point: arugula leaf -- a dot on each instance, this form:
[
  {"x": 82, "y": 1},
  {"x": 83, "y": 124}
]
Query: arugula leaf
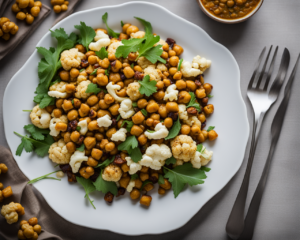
[
  {"x": 119, "y": 117},
  {"x": 179, "y": 65},
  {"x": 44, "y": 177},
  {"x": 174, "y": 130},
  {"x": 144, "y": 184},
  {"x": 210, "y": 128},
  {"x": 105, "y": 163},
  {"x": 87, "y": 34},
  {"x": 171, "y": 160},
  {"x": 88, "y": 188},
  {"x": 136, "y": 154},
  {"x": 93, "y": 88},
  {"x": 147, "y": 87},
  {"x": 36, "y": 133},
  {"x": 134, "y": 176},
  {"x": 122, "y": 24},
  {"x": 129, "y": 144},
  {"x": 161, "y": 179},
  {"x": 81, "y": 148},
  {"x": 144, "y": 112},
  {"x": 182, "y": 175},
  {"x": 209, "y": 96},
  {"x": 109, "y": 30},
  {"x": 102, "y": 53},
  {"x": 193, "y": 102},
  {"x": 129, "y": 125},
  {"x": 134, "y": 104},
  {"x": 147, "y": 25},
  {"x": 104, "y": 186}
]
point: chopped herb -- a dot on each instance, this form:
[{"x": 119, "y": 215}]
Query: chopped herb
[
  {"x": 128, "y": 126},
  {"x": 150, "y": 131},
  {"x": 102, "y": 53},
  {"x": 136, "y": 154},
  {"x": 104, "y": 186},
  {"x": 105, "y": 163},
  {"x": 147, "y": 87},
  {"x": 201, "y": 149},
  {"x": 56, "y": 81},
  {"x": 193, "y": 102},
  {"x": 147, "y": 25},
  {"x": 88, "y": 188},
  {"x": 129, "y": 144},
  {"x": 72, "y": 101},
  {"x": 134, "y": 104},
  {"x": 94, "y": 72},
  {"x": 161, "y": 179},
  {"x": 144, "y": 184},
  {"x": 78, "y": 128},
  {"x": 109, "y": 30},
  {"x": 27, "y": 110},
  {"x": 81, "y": 70},
  {"x": 119, "y": 117},
  {"x": 210, "y": 128},
  {"x": 107, "y": 71},
  {"x": 179, "y": 65},
  {"x": 122, "y": 24},
  {"x": 209, "y": 96},
  {"x": 171, "y": 160},
  {"x": 87, "y": 34},
  {"x": 132, "y": 65},
  {"x": 93, "y": 88},
  {"x": 43, "y": 177},
  {"x": 144, "y": 112},
  {"x": 174, "y": 130},
  {"x": 81, "y": 148},
  {"x": 36, "y": 133},
  {"x": 134, "y": 176}
]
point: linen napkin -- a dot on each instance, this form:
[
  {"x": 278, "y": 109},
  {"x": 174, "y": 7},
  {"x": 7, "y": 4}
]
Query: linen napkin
[
  {"x": 25, "y": 30},
  {"x": 62, "y": 15}
]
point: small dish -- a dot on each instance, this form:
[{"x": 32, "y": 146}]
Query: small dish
[{"x": 229, "y": 21}]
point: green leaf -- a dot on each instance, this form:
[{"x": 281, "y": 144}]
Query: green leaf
[
  {"x": 161, "y": 179},
  {"x": 174, "y": 130},
  {"x": 102, "y": 53},
  {"x": 122, "y": 24},
  {"x": 104, "y": 186},
  {"x": 153, "y": 54},
  {"x": 109, "y": 30},
  {"x": 182, "y": 175},
  {"x": 25, "y": 143},
  {"x": 94, "y": 72},
  {"x": 87, "y": 34},
  {"x": 144, "y": 184},
  {"x": 210, "y": 128},
  {"x": 209, "y": 96},
  {"x": 132, "y": 65},
  {"x": 88, "y": 188},
  {"x": 193, "y": 102},
  {"x": 129, "y": 144},
  {"x": 81, "y": 148},
  {"x": 147, "y": 87},
  {"x": 179, "y": 65},
  {"x": 134, "y": 176},
  {"x": 36, "y": 133},
  {"x": 129, "y": 125},
  {"x": 136, "y": 154},
  {"x": 150, "y": 131},
  {"x": 119, "y": 117},
  {"x": 134, "y": 104},
  {"x": 206, "y": 169},
  {"x": 20, "y": 149},
  {"x": 147, "y": 25},
  {"x": 105, "y": 163},
  {"x": 130, "y": 45},
  {"x": 93, "y": 88},
  {"x": 107, "y": 71},
  {"x": 42, "y": 147},
  {"x": 81, "y": 70},
  {"x": 144, "y": 112},
  {"x": 46, "y": 101},
  {"x": 200, "y": 148},
  {"x": 43, "y": 177},
  {"x": 171, "y": 160},
  {"x": 78, "y": 128},
  {"x": 72, "y": 101}
]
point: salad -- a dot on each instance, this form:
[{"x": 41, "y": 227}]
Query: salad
[{"x": 121, "y": 112}]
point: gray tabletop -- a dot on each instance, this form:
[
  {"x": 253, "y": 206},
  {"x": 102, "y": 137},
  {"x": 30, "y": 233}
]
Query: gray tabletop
[{"x": 277, "y": 23}]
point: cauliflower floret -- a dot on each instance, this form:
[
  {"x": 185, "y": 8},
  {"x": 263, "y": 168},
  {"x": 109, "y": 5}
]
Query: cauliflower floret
[
  {"x": 100, "y": 35},
  {"x": 111, "y": 90},
  {"x": 171, "y": 93},
  {"x": 12, "y": 211},
  {"x": 58, "y": 90},
  {"x": 40, "y": 117},
  {"x": 155, "y": 156},
  {"x": 160, "y": 132},
  {"x": 126, "y": 109},
  {"x": 182, "y": 112},
  {"x": 83, "y": 127},
  {"x": 193, "y": 120},
  {"x": 54, "y": 121},
  {"x": 71, "y": 58},
  {"x": 133, "y": 91},
  {"x": 162, "y": 67},
  {"x": 202, "y": 63},
  {"x": 82, "y": 77},
  {"x": 76, "y": 159},
  {"x": 58, "y": 152},
  {"x": 113, "y": 47},
  {"x": 112, "y": 173},
  {"x": 188, "y": 71},
  {"x": 139, "y": 34},
  {"x": 96, "y": 46},
  {"x": 130, "y": 186},
  {"x": 206, "y": 157},
  {"x": 153, "y": 73},
  {"x": 196, "y": 160},
  {"x": 144, "y": 62},
  {"x": 81, "y": 88},
  {"x": 183, "y": 148},
  {"x": 119, "y": 135},
  {"x": 133, "y": 166},
  {"x": 104, "y": 121}
]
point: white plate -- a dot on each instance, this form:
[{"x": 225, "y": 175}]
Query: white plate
[{"x": 124, "y": 215}]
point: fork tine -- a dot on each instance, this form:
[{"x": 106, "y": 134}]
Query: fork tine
[
  {"x": 270, "y": 70},
  {"x": 256, "y": 67},
  {"x": 262, "y": 73}
]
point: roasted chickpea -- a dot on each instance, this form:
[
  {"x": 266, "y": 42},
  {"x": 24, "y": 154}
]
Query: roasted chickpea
[
  {"x": 160, "y": 85},
  {"x": 102, "y": 104},
  {"x": 37, "y": 4},
  {"x": 173, "y": 61},
  {"x": 177, "y": 75},
  {"x": 146, "y": 200},
  {"x": 144, "y": 169},
  {"x": 162, "y": 111},
  {"x": 124, "y": 181},
  {"x": 124, "y": 28},
  {"x": 35, "y": 11},
  {"x": 105, "y": 63},
  {"x": 184, "y": 97},
  {"x": 200, "y": 93},
  {"x": 14, "y": 30},
  {"x": 128, "y": 72},
  {"x": 15, "y": 8},
  {"x": 191, "y": 86},
  {"x": 205, "y": 134},
  {"x": 172, "y": 107},
  {"x": 123, "y": 36},
  {"x": 57, "y": 8},
  {"x": 149, "y": 122},
  {"x": 109, "y": 147},
  {"x": 171, "y": 53},
  {"x": 144, "y": 176},
  {"x": 148, "y": 187},
  {"x": 137, "y": 68},
  {"x": 121, "y": 93},
  {"x": 112, "y": 57},
  {"x": 93, "y": 125},
  {"x": 136, "y": 130},
  {"x": 92, "y": 59},
  {"x": 84, "y": 110},
  {"x": 72, "y": 115},
  {"x": 64, "y": 7},
  {"x": 7, "y": 192},
  {"x": 185, "y": 129},
  {"x": 167, "y": 82},
  {"x": 96, "y": 153},
  {"x": 89, "y": 142},
  {"x": 114, "y": 109},
  {"x": 200, "y": 138},
  {"x": 135, "y": 194},
  {"x": 102, "y": 79},
  {"x": 159, "y": 95},
  {"x": 132, "y": 56},
  {"x": 161, "y": 191},
  {"x": 57, "y": 113},
  {"x": 37, "y": 228},
  {"x": 21, "y": 235},
  {"x": 92, "y": 100},
  {"x": 180, "y": 84},
  {"x": 201, "y": 117},
  {"x": 114, "y": 77},
  {"x": 209, "y": 109},
  {"x": 138, "y": 118},
  {"x": 167, "y": 185},
  {"x": 142, "y": 139},
  {"x": 75, "y": 136},
  {"x": 195, "y": 130},
  {"x": 28, "y": 232},
  {"x": 178, "y": 49},
  {"x": 33, "y": 221},
  {"x": 23, "y": 3},
  {"x": 80, "y": 48},
  {"x": 207, "y": 87},
  {"x": 8, "y": 26},
  {"x": 21, "y": 16},
  {"x": 152, "y": 107},
  {"x": 142, "y": 103},
  {"x": 131, "y": 29},
  {"x": 212, "y": 135},
  {"x": 172, "y": 70},
  {"x": 6, "y": 36},
  {"x": 164, "y": 55},
  {"x": 168, "y": 122},
  {"x": 110, "y": 132},
  {"x": 116, "y": 66},
  {"x": 3, "y": 20},
  {"x": 67, "y": 105}
]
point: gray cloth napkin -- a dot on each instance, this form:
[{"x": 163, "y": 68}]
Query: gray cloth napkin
[
  {"x": 25, "y": 30},
  {"x": 62, "y": 15}
]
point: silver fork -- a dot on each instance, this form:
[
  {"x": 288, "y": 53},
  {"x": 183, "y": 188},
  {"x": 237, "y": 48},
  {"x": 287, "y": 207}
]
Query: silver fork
[{"x": 261, "y": 101}]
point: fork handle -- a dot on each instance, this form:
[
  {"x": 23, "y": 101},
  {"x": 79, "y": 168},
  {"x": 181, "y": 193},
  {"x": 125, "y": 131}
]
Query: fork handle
[{"x": 235, "y": 223}]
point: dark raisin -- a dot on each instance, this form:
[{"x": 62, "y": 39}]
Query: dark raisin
[
  {"x": 121, "y": 191},
  {"x": 170, "y": 41},
  {"x": 71, "y": 177},
  {"x": 123, "y": 78},
  {"x": 118, "y": 160},
  {"x": 204, "y": 101},
  {"x": 198, "y": 83},
  {"x": 136, "y": 109},
  {"x": 109, "y": 197},
  {"x": 92, "y": 114},
  {"x": 203, "y": 125},
  {"x": 80, "y": 140},
  {"x": 153, "y": 179},
  {"x": 96, "y": 65},
  {"x": 173, "y": 115},
  {"x": 192, "y": 111},
  {"x": 138, "y": 75},
  {"x": 113, "y": 63},
  {"x": 65, "y": 167},
  {"x": 114, "y": 122},
  {"x": 73, "y": 124},
  {"x": 95, "y": 176},
  {"x": 84, "y": 63}
]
